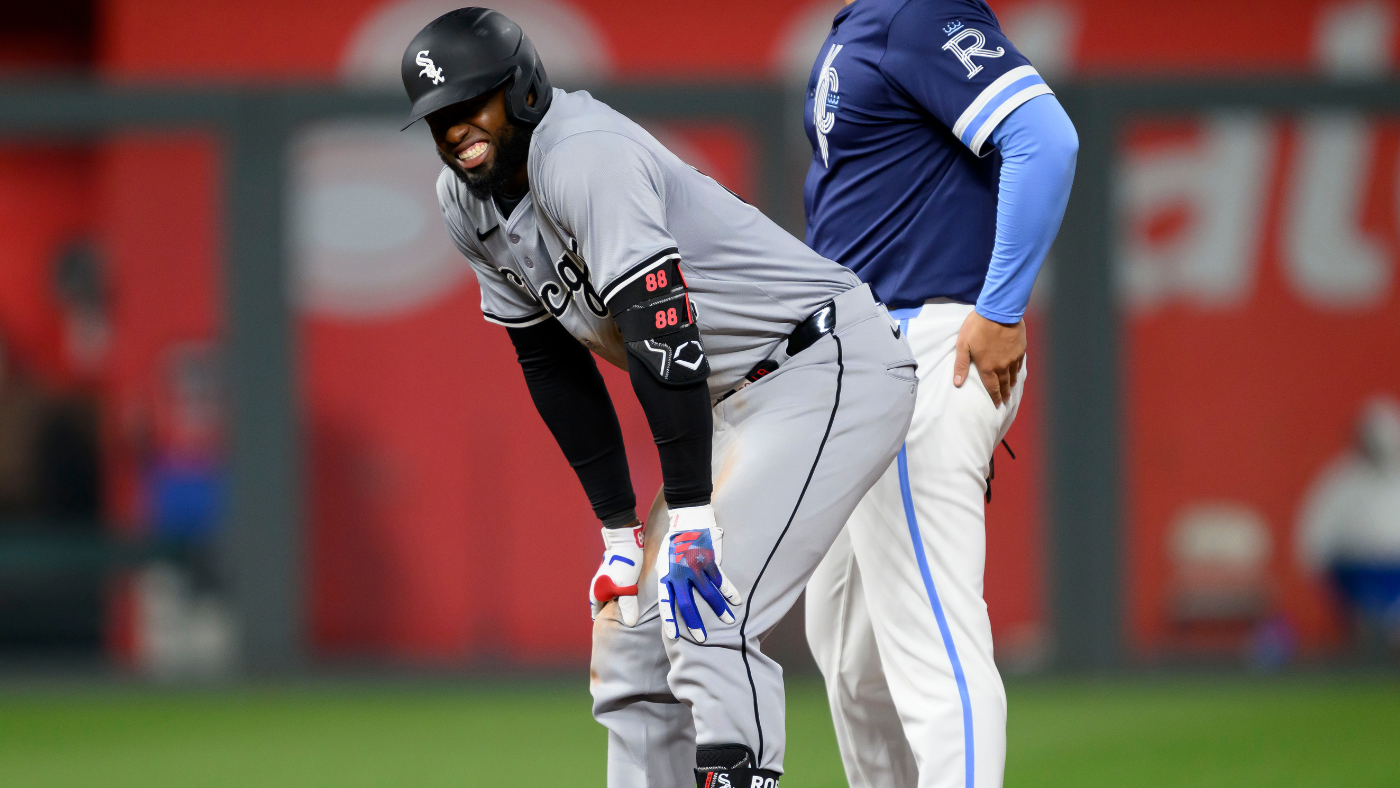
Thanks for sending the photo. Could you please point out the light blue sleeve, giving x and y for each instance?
(1039, 147)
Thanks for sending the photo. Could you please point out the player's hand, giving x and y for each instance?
(617, 575)
(998, 349)
(693, 548)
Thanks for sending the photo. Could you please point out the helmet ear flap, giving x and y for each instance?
(518, 96)
(539, 82)
(516, 92)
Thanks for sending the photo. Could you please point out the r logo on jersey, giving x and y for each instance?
(966, 54)
(827, 99)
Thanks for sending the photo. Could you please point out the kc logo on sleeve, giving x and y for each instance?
(967, 53)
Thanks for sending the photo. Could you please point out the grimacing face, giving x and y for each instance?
(478, 141)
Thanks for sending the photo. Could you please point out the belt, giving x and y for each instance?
(817, 325)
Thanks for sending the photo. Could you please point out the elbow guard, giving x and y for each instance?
(657, 321)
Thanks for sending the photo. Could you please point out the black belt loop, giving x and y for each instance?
(817, 325)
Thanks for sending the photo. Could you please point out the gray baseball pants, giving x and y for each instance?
(793, 454)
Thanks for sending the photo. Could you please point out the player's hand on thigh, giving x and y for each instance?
(618, 573)
(998, 349)
(693, 547)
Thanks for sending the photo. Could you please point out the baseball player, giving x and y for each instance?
(941, 165)
(776, 388)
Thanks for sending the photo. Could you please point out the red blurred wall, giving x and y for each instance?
(45, 203)
(444, 522)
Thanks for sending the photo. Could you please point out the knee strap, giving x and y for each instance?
(730, 766)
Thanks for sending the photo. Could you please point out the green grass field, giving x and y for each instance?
(1201, 733)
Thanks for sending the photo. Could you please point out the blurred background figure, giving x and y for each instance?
(184, 627)
(1349, 526)
(50, 493)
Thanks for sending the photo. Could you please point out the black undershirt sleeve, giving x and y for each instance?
(571, 397)
(682, 426)
(667, 363)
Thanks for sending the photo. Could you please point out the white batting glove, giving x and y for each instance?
(617, 575)
(692, 549)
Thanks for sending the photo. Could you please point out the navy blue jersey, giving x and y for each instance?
(900, 106)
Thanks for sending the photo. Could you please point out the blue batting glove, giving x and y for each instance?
(693, 547)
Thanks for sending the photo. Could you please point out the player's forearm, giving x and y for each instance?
(682, 426)
(667, 363)
(573, 400)
(1039, 147)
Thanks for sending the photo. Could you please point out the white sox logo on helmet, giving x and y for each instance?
(430, 69)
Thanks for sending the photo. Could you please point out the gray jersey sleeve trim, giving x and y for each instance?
(636, 272)
(516, 322)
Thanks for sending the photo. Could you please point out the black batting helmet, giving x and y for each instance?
(471, 51)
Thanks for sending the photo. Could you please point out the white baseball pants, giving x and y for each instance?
(895, 615)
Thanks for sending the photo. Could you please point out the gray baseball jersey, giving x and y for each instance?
(608, 204)
(793, 452)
